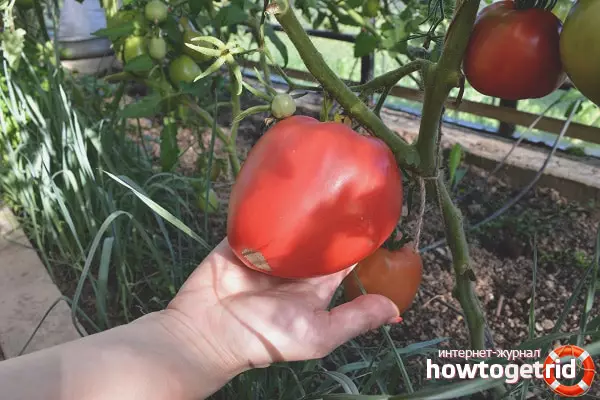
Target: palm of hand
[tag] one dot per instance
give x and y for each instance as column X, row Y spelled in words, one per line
column 255, row 319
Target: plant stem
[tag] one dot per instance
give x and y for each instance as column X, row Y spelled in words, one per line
column 209, row 120
column 463, row 290
column 438, row 80
column 405, row 153
column 235, row 111
column 392, row 77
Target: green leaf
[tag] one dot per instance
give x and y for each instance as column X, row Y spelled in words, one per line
column 169, row 150
column 347, row 20
column 319, row 20
column 454, row 161
column 141, row 63
column 354, row 3
column 171, row 29
column 146, row 107
column 279, row 45
column 116, row 32
column 231, row 15
column 395, row 35
column 365, row 44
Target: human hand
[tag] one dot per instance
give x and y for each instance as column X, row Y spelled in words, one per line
column 247, row 319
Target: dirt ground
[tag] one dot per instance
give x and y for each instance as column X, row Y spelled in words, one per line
column 501, row 252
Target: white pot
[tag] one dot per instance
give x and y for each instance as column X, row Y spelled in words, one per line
column 77, row 23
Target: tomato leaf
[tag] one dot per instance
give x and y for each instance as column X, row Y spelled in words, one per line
column 116, row 32
column 354, row 3
column 347, row 20
column 279, row 45
column 146, row 107
column 231, row 15
column 365, row 44
column 334, row 24
column 319, row 20
column 395, row 35
column 141, row 63
column 171, row 28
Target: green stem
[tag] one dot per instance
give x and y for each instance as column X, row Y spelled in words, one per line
column 259, row 36
column 461, row 262
column 235, row 112
column 438, row 80
column 405, row 153
column 392, row 77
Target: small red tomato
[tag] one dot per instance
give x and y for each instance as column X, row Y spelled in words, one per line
column 313, row 198
column 514, row 53
column 394, row 274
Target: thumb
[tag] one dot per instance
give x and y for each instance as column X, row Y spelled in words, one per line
column 365, row 313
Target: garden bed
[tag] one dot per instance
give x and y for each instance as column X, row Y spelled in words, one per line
column 501, row 251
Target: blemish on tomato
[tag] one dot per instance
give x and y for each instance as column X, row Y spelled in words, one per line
column 256, row 259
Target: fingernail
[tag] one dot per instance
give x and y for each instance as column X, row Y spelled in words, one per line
column 395, row 320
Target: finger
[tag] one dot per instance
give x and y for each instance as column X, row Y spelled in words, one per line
column 325, row 286
column 354, row 318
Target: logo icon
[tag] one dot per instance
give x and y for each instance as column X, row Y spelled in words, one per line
column 589, row 371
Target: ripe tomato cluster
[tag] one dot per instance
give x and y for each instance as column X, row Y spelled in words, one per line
column 148, row 39
column 518, row 51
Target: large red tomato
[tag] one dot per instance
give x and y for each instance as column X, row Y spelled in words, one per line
column 514, row 53
column 313, row 198
column 394, row 274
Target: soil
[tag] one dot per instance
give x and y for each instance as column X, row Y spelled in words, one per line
column 502, row 252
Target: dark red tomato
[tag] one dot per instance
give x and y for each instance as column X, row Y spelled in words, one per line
column 514, row 53
column 313, row 198
column 394, row 274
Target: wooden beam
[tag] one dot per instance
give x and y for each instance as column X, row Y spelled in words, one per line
column 503, row 114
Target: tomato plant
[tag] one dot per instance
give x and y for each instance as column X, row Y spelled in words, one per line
column 183, row 69
column 313, row 198
column 156, row 11
column 580, row 48
column 395, row 274
column 157, row 48
column 283, row 105
column 513, row 52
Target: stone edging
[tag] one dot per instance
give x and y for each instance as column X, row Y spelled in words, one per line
column 26, row 294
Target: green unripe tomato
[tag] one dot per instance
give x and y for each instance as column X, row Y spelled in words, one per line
column 283, row 106
column 212, row 205
column 134, row 46
column 156, row 11
column 183, row 69
column 157, row 48
column 370, row 8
